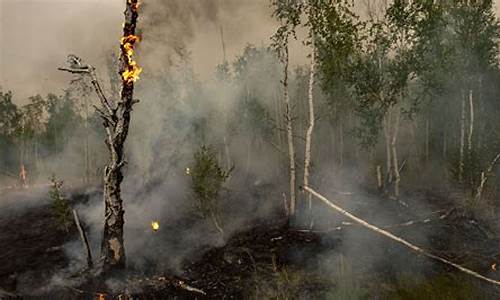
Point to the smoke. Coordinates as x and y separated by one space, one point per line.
182 106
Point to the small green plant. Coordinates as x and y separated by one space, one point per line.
60 205
207 183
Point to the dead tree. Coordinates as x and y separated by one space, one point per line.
397 239
484 178
84 239
116 121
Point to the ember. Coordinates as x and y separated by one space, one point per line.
155 225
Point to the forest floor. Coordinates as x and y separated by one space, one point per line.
270 260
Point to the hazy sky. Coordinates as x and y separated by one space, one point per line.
37 35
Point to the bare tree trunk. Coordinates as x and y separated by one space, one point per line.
462 142
310 128
471 121
395 164
379 178
84 239
397 239
427 129
289 131
445 143
341 144
117 126
224 100
86 145
387 134
484 178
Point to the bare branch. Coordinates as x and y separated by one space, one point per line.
398 239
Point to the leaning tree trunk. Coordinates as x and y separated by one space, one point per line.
117 126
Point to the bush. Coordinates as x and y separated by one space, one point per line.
60 206
207 183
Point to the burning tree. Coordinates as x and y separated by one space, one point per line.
116 121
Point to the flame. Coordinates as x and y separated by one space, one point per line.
134 4
132 70
101 296
23 175
155 225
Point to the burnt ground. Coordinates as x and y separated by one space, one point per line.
269 260
31 246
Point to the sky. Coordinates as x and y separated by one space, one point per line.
37 35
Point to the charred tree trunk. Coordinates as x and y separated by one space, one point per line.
116 120
117 127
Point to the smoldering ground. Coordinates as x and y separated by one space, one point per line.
180 38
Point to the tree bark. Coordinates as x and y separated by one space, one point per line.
395 164
484 177
289 131
387 134
84 239
462 142
117 126
310 129
427 129
471 121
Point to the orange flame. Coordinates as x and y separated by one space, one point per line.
134 4
132 70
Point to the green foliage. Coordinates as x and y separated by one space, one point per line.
62 120
10 116
288 12
207 183
60 206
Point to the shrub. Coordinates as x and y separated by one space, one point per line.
207 183
60 205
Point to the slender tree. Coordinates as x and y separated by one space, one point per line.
288 13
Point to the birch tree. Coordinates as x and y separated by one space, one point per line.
288 12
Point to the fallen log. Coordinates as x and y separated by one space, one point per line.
84 239
398 239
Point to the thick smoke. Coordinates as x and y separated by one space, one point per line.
179 93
